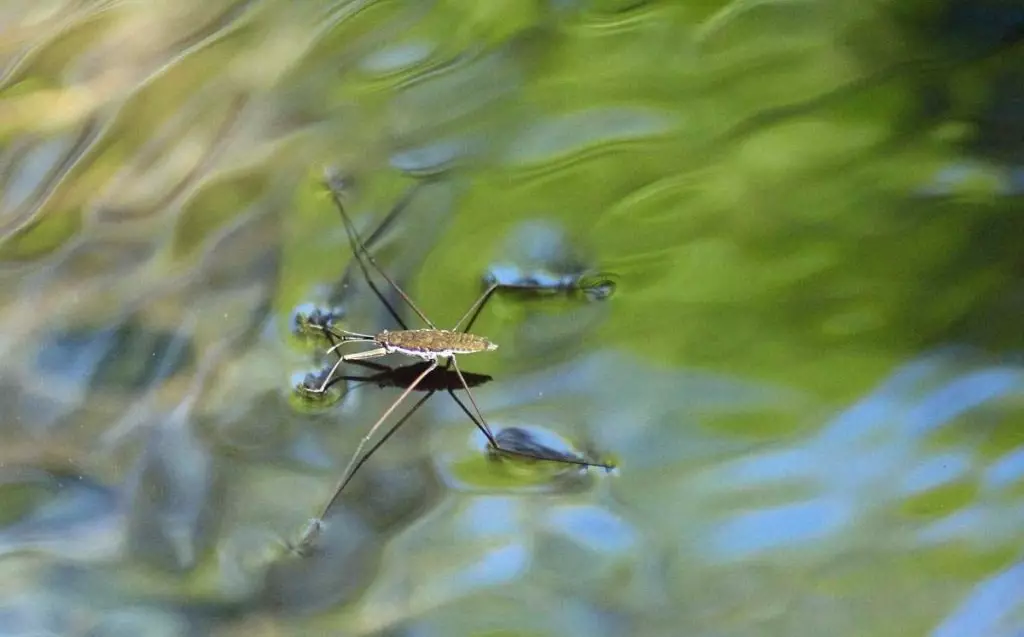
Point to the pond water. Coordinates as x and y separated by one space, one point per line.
774 247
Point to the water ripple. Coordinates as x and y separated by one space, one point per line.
557 138
995 608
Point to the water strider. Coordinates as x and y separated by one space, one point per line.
431 345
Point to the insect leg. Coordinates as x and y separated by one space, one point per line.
313 529
481 424
474 310
355 243
371 260
376 352
477 307
355 462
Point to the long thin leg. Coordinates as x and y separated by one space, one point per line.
481 424
343 335
330 380
334 183
354 463
475 309
396 210
353 242
336 346
370 353
369 258
485 430
316 524
377 445
361 362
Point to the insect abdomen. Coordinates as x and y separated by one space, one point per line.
436 342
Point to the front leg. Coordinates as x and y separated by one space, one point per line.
377 352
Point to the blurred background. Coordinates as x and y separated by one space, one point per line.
804 356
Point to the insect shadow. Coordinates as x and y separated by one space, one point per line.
400 377
430 345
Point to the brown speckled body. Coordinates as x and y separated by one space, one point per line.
430 344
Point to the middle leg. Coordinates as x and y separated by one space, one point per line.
492 440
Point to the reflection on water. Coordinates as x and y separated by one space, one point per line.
765 255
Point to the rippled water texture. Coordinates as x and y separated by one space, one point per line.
774 249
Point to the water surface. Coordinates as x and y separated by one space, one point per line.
803 354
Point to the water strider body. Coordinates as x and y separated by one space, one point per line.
429 344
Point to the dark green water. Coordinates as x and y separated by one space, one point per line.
806 365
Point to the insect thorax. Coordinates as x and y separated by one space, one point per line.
428 343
